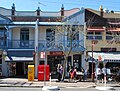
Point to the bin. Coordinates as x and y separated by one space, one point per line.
41 69
30 72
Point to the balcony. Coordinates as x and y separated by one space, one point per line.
17 44
46 45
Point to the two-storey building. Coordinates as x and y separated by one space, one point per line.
102 34
18 37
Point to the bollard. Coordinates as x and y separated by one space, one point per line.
50 87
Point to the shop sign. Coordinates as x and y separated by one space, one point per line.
56 53
101 57
42 54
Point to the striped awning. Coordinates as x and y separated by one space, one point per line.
18 59
96 29
108 57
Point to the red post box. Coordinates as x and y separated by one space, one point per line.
41 70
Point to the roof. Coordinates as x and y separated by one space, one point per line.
105 15
42 13
6 19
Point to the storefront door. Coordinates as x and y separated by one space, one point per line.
77 61
53 61
19 69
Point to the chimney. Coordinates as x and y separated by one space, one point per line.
38 11
101 11
13 10
62 10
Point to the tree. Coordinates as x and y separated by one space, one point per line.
68 40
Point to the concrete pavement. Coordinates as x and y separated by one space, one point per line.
22 82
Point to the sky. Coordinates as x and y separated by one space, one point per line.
55 5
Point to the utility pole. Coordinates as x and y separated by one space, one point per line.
36 48
92 61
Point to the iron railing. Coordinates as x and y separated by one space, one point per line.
46 45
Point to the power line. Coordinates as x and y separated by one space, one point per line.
90 4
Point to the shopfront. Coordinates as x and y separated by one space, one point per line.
111 59
17 63
54 58
18 69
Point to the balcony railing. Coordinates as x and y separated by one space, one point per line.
46 45
21 44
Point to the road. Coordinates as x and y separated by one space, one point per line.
39 89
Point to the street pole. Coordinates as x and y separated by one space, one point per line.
92 61
36 48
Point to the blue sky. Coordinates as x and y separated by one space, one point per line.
55 5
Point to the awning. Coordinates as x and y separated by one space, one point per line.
108 57
19 56
114 29
18 59
96 29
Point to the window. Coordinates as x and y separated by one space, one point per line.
74 34
108 49
3 37
109 36
94 35
72 37
24 37
50 37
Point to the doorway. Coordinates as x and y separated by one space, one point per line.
77 61
19 69
53 61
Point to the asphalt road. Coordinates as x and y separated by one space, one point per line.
61 89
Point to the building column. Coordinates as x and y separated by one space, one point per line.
36 49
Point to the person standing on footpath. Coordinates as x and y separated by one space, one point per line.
59 71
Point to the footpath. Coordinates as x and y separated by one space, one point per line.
22 82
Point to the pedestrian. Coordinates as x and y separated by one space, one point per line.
58 72
85 74
73 74
61 71
69 70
